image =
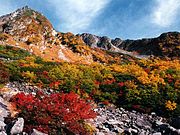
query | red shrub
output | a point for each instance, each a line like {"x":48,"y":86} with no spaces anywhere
{"x":4,"y":74}
{"x":54,"y":85}
{"x":109,"y":81}
{"x":121,"y":84}
{"x":53,"y":112}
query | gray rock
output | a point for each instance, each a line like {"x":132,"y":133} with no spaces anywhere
{"x":133,"y":111}
{"x":120,"y":130}
{"x":113,"y":122}
{"x":125,"y":117}
{"x":142,"y":123}
{"x":36,"y":132}
{"x":3,"y":133}
{"x":159,"y":123}
{"x":2,"y":125}
{"x":158,"y":133}
{"x":106,"y":129}
{"x":111,"y":133}
{"x":4,"y":112}
{"x":24,"y":133}
{"x":131,"y":130}
{"x":100,"y":133}
{"x":18,"y":126}
{"x":172,"y":128}
{"x":101,"y":119}
{"x":100,"y":126}
{"x":143,"y":133}
{"x":178,"y":131}
{"x":153,"y":113}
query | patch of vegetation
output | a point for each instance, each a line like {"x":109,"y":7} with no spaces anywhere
{"x":54,"y":113}
{"x":4,"y":74}
{"x":28,"y":12}
{"x":12,"y":53}
{"x":144,"y":85}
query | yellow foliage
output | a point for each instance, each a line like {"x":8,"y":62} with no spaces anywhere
{"x":130,"y":84}
{"x":155,"y":74}
{"x":91,"y":129}
{"x":34,"y":39}
{"x":170,"y":105}
{"x":177,"y":84}
{"x":29,"y":75}
{"x":4,"y":36}
{"x":29,"y":62}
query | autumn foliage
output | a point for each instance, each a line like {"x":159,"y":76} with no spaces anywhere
{"x":145,"y":85}
{"x":54,"y":113}
{"x":4,"y":74}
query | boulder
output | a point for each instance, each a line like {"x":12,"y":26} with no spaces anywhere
{"x":17,"y":127}
{"x":3,"y":133}
{"x":158,"y":133}
{"x":2,"y":125}
{"x":36,"y":132}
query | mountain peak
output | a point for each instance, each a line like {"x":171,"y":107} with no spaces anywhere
{"x":25,"y":8}
{"x":24,"y":20}
{"x":19,"y":12}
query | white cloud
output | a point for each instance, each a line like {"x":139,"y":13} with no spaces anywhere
{"x":165,"y":12}
{"x":76,"y":15}
{"x":6,"y":7}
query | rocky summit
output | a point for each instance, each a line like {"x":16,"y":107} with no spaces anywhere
{"x":166,"y":45}
{"x":65,"y":84}
{"x":30,"y":30}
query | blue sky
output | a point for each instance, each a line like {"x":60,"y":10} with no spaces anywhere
{"x":127,"y":19}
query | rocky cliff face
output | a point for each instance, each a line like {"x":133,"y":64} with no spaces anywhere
{"x":101,"y":42}
{"x":166,"y":45}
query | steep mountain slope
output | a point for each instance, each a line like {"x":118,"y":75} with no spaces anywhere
{"x":30,"y":30}
{"x":166,"y":45}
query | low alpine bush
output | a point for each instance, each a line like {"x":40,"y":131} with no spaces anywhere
{"x":53,"y":113}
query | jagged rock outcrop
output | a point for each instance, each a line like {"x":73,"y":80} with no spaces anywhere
{"x":100,"y":42}
{"x":166,"y":45}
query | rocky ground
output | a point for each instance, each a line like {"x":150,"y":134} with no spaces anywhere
{"x":110,"y":120}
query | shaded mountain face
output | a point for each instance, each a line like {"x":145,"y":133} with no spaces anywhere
{"x":166,"y":45}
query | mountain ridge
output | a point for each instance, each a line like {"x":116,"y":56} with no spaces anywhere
{"x":28,"y":29}
{"x":165,"y":45}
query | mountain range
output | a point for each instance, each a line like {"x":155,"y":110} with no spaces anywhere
{"x":30,"y":30}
